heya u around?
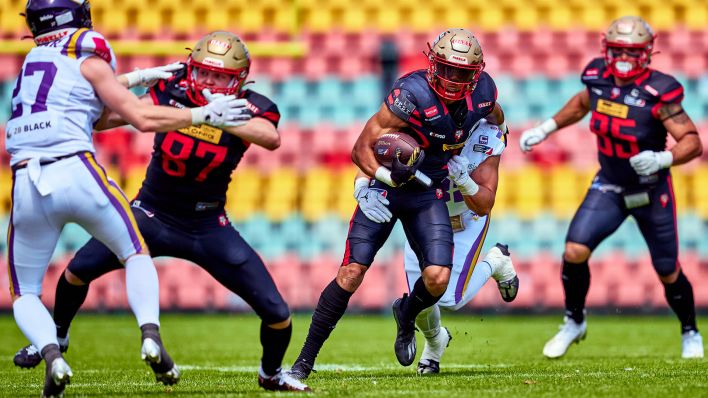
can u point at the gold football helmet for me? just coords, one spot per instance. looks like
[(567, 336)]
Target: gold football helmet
[(631, 36), (222, 52), (455, 63)]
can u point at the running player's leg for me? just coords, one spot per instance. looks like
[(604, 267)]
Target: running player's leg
[(657, 222), (110, 220), (230, 260), (428, 230), (364, 240), (600, 214)]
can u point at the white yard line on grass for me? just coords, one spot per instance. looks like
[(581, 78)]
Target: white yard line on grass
[(340, 367)]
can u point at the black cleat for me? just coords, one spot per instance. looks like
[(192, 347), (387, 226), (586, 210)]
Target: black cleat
[(404, 346), (301, 370), (57, 376), (28, 357), (428, 367), (154, 354)]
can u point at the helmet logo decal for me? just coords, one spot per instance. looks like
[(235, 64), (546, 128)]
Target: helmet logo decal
[(218, 47), (625, 27), (457, 59), (461, 45), (64, 18)]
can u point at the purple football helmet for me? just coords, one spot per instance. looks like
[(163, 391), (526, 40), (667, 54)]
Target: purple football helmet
[(44, 16)]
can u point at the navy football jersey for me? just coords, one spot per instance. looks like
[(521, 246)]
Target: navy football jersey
[(190, 169), (439, 130), (626, 119)]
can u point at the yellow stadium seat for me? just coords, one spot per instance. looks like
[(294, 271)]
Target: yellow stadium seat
[(149, 21), (560, 17), (593, 17), (245, 193), (281, 194), (563, 187), (423, 19), (681, 189), (525, 18), (316, 194), (529, 189), (5, 191), (503, 198), (700, 190), (696, 15), (662, 16), (113, 22), (11, 22), (285, 19), (354, 20), (388, 19), (183, 20), (318, 19), (251, 19), (217, 19), (491, 17), (133, 181), (343, 189)]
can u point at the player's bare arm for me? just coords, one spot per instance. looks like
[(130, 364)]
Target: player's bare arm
[(486, 175), (496, 116), (138, 113), (575, 109), (681, 127), (259, 131), (111, 119), (382, 122)]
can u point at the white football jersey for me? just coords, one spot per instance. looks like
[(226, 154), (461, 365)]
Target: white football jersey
[(486, 140), (54, 108)]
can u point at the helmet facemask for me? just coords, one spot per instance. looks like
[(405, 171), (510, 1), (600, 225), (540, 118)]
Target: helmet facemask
[(220, 52), (627, 47), (454, 64)]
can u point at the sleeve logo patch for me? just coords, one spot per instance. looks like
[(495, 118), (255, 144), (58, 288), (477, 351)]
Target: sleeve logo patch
[(430, 112), (485, 104)]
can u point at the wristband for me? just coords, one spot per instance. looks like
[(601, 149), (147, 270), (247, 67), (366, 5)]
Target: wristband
[(197, 116), (133, 78), (384, 175), (469, 188), (665, 159), (549, 126)]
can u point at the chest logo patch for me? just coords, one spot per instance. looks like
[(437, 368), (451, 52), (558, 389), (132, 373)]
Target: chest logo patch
[(204, 132), (615, 93), (458, 134), (612, 108)]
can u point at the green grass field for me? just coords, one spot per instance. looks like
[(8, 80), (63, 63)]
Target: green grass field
[(488, 356)]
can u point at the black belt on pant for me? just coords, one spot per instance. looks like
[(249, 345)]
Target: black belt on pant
[(44, 162)]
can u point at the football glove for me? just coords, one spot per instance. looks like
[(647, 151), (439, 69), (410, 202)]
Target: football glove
[(372, 203), (150, 76), (536, 135), (649, 162), (221, 111), (402, 173), (458, 169)]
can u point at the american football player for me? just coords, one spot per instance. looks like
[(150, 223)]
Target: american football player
[(440, 106), (469, 217), (633, 109), (180, 207)]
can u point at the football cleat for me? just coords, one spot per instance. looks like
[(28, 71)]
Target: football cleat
[(301, 370), (570, 332), (503, 271), (691, 345), (29, 356), (57, 376), (404, 346), (434, 348), (281, 381), (154, 354)]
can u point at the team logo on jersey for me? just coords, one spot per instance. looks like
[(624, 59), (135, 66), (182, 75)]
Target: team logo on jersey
[(596, 90), (612, 108), (634, 101), (223, 221), (439, 193), (483, 139), (458, 135), (430, 112), (381, 192), (591, 74), (651, 89), (481, 148), (664, 199), (634, 92), (204, 132), (484, 104), (615, 92)]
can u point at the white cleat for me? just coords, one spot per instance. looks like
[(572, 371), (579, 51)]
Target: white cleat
[(570, 332), (503, 271), (150, 351), (691, 345)]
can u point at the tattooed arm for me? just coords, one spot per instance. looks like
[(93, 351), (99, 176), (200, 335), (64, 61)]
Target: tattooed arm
[(681, 127)]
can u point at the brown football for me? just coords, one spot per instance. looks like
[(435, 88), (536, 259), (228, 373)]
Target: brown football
[(389, 144)]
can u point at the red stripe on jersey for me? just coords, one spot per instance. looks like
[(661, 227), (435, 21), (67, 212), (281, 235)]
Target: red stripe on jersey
[(423, 138), (272, 116), (643, 77), (672, 94), (389, 99), (347, 249), (415, 121), (153, 95), (606, 74), (673, 208), (468, 101)]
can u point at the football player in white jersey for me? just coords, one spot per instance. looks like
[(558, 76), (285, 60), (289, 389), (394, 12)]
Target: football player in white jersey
[(59, 96), (469, 191)]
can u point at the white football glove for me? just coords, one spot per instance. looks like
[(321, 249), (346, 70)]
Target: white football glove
[(649, 162), (536, 135), (150, 76), (372, 203), (458, 168), (221, 111)]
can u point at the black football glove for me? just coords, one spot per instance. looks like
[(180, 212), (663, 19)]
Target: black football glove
[(402, 173)]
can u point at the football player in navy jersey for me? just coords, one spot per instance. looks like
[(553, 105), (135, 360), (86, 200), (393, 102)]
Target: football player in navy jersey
[(633, 110), (180, 207), (440, 106)]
